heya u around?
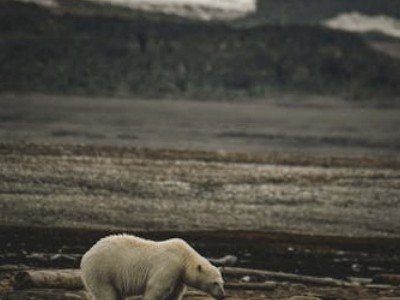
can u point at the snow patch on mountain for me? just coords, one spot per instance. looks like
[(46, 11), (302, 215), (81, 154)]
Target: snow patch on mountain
[(198, 9), (357, 22), (201, 9), (47, 3)]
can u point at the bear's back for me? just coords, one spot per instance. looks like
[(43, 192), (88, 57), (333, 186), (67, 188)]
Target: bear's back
[(135, 250), (109, 250), (174, 244)]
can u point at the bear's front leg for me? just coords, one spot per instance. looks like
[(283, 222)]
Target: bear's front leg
[(178, 292)]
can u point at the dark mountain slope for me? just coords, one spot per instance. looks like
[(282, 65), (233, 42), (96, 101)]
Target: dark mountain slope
[(145, 56)]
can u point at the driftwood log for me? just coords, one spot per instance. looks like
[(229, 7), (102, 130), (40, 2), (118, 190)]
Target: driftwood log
[(48, 294), (287, 277), (263, 286), (69, 279)]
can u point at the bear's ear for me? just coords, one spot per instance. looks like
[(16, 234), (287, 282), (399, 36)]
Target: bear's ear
[(199, 268)]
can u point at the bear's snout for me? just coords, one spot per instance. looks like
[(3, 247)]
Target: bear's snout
[(221, 295), (218, 292)]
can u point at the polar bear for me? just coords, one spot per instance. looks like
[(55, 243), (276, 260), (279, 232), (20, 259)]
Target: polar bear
[(120, 266)]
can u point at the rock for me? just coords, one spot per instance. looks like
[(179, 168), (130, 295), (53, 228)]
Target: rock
[(298, 288), (393, 279), (359, 280)]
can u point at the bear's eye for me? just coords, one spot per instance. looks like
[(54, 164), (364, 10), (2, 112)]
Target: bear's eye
[(215, 283)]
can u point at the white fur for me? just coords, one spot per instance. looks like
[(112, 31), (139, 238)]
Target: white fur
[(119, 266)]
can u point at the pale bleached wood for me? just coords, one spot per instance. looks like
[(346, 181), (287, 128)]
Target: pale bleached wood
[(327, 281), (69, 279)]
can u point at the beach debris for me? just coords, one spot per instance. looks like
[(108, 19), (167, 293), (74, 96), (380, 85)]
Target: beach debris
[(225, 261)]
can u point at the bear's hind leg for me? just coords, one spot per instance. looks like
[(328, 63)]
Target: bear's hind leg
[(105, 293)]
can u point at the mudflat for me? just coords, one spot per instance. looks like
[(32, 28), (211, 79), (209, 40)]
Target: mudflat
[(285, 124)]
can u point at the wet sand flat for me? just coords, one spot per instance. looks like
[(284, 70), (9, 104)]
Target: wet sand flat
[(114, 187)]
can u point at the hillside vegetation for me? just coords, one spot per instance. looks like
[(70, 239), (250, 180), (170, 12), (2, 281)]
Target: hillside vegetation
[(147, 56)]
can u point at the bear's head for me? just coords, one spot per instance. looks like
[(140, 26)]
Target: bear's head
[(206, 278)]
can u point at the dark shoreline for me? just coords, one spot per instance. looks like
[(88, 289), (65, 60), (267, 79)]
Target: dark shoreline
[(222, 236), (335, 256)]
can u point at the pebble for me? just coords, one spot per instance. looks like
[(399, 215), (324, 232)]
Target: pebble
[(245, 279)]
